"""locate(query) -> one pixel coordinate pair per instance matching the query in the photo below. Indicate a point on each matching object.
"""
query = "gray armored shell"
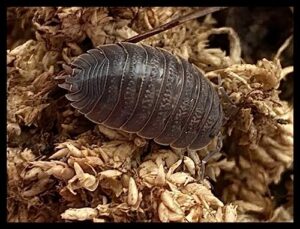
(147, 91)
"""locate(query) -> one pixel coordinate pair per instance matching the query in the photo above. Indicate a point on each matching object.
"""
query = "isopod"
(145, 90)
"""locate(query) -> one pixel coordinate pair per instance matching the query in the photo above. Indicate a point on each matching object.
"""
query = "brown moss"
(61, 167)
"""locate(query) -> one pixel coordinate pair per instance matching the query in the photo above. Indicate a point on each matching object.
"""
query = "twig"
(173, 23)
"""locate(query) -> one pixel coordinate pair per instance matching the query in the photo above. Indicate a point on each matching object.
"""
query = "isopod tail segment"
(67, 77)
(68, 70)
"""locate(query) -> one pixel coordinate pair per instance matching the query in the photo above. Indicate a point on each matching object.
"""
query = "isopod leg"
(65, 86)
(231, 108)
(211, 154)
(224, 95)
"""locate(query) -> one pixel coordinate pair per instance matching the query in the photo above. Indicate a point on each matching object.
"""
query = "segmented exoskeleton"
(148, 91)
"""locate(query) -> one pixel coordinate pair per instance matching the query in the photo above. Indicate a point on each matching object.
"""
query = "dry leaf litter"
(61, 167)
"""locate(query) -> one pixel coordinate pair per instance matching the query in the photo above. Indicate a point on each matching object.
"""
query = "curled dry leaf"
(230, 214)
(80, 214)
(180, 178)
(59, 170)
(203, 192)
(160, 179)
(170, 203)
(110, 174)
(133, 193)
(190, 165)
(82, 180)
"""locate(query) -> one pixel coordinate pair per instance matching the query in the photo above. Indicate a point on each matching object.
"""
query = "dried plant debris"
(61, 167)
